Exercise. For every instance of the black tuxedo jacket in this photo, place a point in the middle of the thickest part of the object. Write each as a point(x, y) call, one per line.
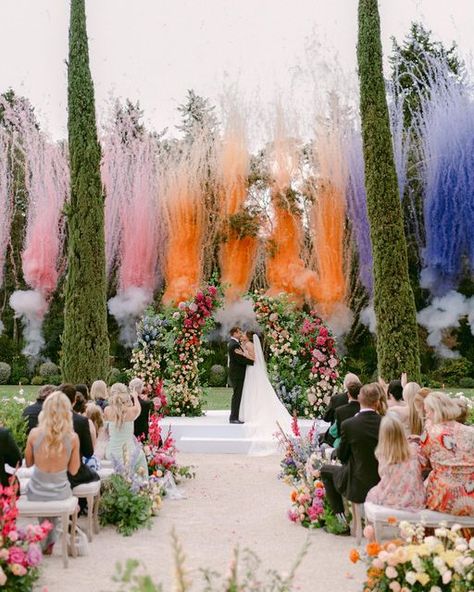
point(237, 363)
point(9, 453)
point(346, 412)
point(336, 401)
point(359, 438)
point(31, 414)
point(81, 427)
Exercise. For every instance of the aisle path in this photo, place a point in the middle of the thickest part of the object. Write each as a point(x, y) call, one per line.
point(233, 500)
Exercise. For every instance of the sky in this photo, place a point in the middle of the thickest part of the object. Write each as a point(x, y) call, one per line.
point(154, 50)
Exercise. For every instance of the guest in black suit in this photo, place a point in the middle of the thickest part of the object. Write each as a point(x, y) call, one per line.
point(31, 413)
point(352, 408)
point(359, 470)
point(9, 453)
point(86, 449)
point(237, 367)
point(339, 399)
point(140, 425)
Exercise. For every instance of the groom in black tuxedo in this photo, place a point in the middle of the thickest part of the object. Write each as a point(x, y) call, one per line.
point(237, 367)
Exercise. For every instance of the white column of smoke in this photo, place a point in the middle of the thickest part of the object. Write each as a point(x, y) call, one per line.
point(239, 313)
point(127, 307)
point(367, 318)
point(340, 321)
point(2, 327)
point(443, 313)
point(30, 306)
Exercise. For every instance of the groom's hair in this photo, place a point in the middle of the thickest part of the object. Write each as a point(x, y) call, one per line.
point(234, 330)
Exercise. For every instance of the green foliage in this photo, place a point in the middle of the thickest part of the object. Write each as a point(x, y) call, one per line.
point(48, 369)
point(11, 417)
point(217, 375)
point(453, 370)
point(466, 382)
point(5, 372)
point(397, 336)
point(124, 508)
point(19, 369)
point(26, 380)
point(85, 341)
point(116, 375)
point(38, 380)
point(198, 117)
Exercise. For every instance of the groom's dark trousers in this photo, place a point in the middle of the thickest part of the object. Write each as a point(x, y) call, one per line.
point(237, 367)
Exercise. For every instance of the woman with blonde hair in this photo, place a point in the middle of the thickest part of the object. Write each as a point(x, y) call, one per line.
point(416, 415)
point(53, 449)
point(401, 482)
point(99, 393)
point(403, 411)
point(447, 447)
point(120, 414)
point(95, 415)
point(382, 407)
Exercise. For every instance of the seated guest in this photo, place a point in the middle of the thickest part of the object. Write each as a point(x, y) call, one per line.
point(32, 412)
point(359, 438)
point(382, 406)
point(79, 403)
point(346, 411)
point(337, 400)
point(403, 409)
point(82, 388)
point(53, 449)
point(95, 415)
point(401, 482)
point(394, 393)
point(140, 428)
point(9, 454)
point(448, 447)
point(417, 412)
point(99, 393)
point(86, 449)
point(120, 414)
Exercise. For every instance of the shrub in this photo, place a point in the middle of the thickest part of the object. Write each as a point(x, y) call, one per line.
point(451, 371)
point(217, 375)
point(48, 369)
point(56, 379)
point(24, 380)
point(11, 416)
point(37, 380)
point(5, 372)
point(120, 505)
point(19, 369)
point(466, 382)
point(115, 375)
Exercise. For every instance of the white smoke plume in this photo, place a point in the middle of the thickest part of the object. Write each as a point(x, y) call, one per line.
point(239, 313)
point(443, 313)
point(30, 306)
point(340, 320)
point(2, 327)
point(367, 318)
point(127, 307)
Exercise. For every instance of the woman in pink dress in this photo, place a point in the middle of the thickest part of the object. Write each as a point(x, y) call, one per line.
point(448, 447)
point(401, 482)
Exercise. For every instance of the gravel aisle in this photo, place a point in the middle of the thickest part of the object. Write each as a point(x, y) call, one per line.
point(234, 500)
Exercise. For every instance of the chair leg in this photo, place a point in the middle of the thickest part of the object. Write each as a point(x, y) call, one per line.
point(90, 512)
point(357, 523)
point(96, 513)
point(378, 530)
point(64, 535)
point(73, 533)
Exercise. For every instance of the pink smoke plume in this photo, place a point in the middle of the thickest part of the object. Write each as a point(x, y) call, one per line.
point(6, 197)
point(132, 220)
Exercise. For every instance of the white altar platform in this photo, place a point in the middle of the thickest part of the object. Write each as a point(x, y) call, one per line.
point(213, 434)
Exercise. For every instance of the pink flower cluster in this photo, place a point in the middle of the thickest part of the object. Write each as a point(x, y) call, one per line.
point(307, 505)
point(320, 345)
point(20, 553)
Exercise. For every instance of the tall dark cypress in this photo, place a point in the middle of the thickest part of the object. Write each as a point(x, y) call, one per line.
point(85, 344)
point(397, 331)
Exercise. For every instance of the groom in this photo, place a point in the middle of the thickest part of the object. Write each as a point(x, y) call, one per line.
point(237, 368)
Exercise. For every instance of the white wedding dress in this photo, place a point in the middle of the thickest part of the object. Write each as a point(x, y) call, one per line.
point(261, 409)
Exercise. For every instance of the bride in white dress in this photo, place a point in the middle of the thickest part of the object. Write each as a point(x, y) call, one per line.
point(260, 409)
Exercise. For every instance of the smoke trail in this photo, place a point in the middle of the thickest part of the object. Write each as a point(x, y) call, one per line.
point(239, 313)
point(127, 307)
point(445, 312)
point(5, 199)
point(30, 306)
point(367, 318)
point(2, 327)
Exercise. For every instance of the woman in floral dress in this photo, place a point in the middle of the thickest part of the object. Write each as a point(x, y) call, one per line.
point(448, 447)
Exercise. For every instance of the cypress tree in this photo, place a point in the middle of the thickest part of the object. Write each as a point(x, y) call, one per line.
point(85, 341)
point(397, 331)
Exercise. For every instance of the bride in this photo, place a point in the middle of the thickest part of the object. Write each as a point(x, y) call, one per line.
point(260, 408)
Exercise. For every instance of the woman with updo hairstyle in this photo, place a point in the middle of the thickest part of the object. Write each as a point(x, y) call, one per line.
point(53, 449)
point(119, 415)
point(99, 394)
point(448, 448)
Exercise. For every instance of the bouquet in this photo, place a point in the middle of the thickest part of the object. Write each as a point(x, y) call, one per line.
point(20, 552)
point(308, 505)
point(418, 562)
point(298, 450)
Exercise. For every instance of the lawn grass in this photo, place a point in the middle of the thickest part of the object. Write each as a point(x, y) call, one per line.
point(216, 398)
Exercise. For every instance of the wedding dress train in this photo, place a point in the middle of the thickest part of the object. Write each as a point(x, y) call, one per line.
point(261, 409)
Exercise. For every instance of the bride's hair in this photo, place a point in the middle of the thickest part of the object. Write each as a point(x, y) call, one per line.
point(250, 335)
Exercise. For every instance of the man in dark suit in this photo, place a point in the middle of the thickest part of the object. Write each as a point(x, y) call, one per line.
point(31, 413)
point(352, 408)
point(140, 425)
point(339, 399)
point(359, 470)
point(9, 454)
point(237, 367)
point(81, 426)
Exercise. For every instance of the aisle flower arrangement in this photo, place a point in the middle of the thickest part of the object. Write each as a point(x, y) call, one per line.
point(302, 358)
point(170, 349)
point(20, 551)
point(308, 505)
point(297, 450)
point(418, 562)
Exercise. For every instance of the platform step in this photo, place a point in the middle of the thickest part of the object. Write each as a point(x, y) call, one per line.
point(215, 445)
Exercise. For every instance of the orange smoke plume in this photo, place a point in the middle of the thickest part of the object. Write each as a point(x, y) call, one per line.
point(237, 252)
point(184, 212)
